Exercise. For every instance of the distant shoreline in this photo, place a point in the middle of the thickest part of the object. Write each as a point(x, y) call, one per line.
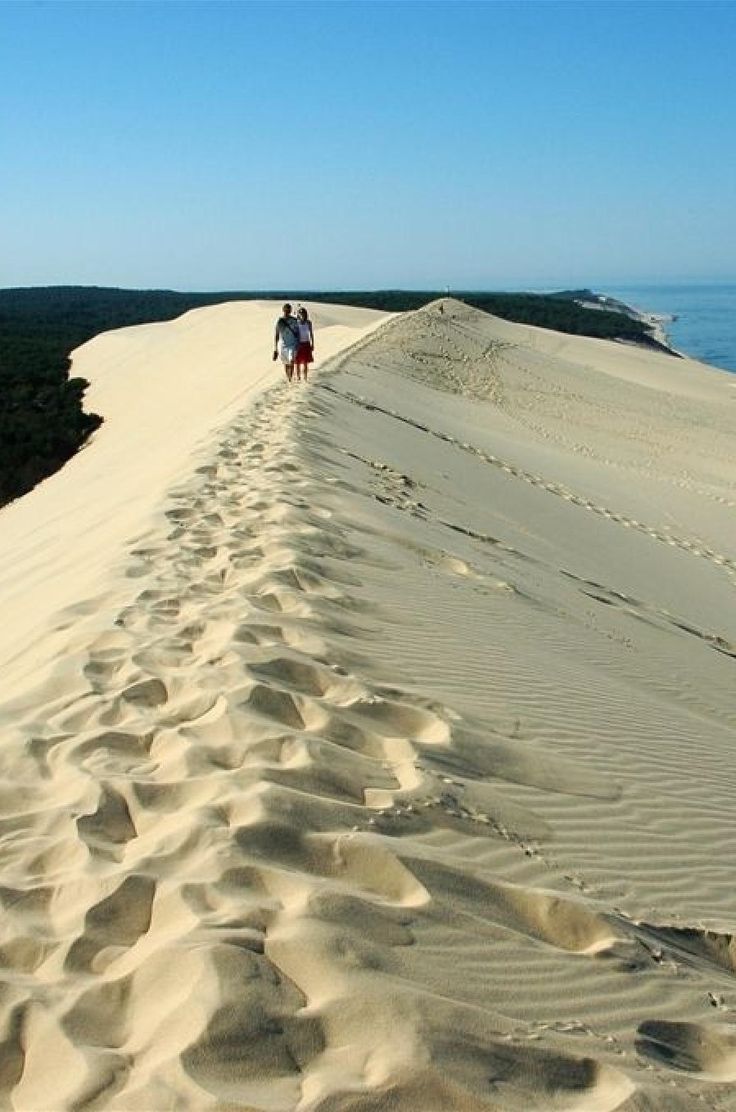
point(700, 319)
point(653, 322)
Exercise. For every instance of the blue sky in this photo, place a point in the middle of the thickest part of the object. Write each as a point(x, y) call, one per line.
point(367, 144)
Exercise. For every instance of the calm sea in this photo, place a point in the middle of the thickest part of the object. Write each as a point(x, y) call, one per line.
point(706, 318)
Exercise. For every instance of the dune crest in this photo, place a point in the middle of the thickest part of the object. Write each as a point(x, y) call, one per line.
point(163, 389)
point(394, 771)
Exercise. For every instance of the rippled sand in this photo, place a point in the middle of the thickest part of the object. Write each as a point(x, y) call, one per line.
point(392, 764)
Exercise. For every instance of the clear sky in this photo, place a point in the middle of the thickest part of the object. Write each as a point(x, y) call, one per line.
point(367, 144)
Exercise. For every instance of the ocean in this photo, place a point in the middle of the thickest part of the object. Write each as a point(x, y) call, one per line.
point(706, 317)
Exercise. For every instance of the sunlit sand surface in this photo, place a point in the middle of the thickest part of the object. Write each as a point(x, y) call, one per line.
point(369, 744)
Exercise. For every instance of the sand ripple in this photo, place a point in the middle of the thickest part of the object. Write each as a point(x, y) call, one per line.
point(271, 846)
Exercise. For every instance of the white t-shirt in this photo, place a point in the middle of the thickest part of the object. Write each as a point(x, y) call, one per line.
point(305, 336)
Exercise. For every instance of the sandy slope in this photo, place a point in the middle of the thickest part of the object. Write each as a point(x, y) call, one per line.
point(162, 388)
point(401, 776)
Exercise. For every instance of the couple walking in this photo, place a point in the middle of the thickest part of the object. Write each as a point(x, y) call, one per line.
point(294, 342)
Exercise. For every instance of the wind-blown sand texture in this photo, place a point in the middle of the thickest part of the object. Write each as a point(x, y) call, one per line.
point(393, 766)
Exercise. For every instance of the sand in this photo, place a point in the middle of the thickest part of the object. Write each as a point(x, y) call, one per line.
point(162, 389)
point(370, 744)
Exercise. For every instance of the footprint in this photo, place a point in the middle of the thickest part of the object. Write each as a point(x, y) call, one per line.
point(358, 865)
point(101, 672)
point(303, 677)
point(113, 925)
point(284, 708)
point(705, 1049)
point(109, 823)
point(115, 744)
point(12, 1049)
point(100, 1016)
point(520, 1078)
point(380, 924)
point(256, 1039)
point(370, 867)
point(393, 719)
point(147, 693)
point(325, 770)
point(23, 955)
point(309, 678)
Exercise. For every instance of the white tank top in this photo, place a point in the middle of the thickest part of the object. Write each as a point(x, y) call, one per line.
point(304, 334)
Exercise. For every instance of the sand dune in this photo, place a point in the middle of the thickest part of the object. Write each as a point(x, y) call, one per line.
point(383, 758)
point(162, 389)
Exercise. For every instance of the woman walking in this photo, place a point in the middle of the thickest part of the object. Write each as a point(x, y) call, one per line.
point(305, 350)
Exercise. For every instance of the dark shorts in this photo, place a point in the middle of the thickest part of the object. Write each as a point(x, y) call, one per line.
point(304, 354)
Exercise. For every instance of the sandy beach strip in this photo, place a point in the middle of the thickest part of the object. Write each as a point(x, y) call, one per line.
point(381, 754)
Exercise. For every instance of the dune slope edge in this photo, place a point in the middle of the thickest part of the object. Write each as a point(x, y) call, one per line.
point(402, 776)
point(162, 389)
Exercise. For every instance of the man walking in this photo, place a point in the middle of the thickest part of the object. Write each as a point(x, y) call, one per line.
point(286, 340)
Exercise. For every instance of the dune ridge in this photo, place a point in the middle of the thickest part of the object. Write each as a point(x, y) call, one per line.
point(163, 390)
point(401, 774)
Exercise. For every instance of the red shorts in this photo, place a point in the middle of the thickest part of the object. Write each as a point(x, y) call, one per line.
point(304, 354)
